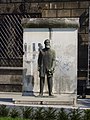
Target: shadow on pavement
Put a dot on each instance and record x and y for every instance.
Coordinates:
(6, 100)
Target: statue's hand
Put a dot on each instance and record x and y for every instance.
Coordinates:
(51, 70)
(38, 68)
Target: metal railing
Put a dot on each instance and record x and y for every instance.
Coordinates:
(88, 79)
(11, 39)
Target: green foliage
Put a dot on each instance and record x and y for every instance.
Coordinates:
(75, 114)
(4, 111)
(62, 115)
(5, 118)
(14, 113)
(50, 114)
(27, 112)
(9, 118)
(87, 114)
(39, 114)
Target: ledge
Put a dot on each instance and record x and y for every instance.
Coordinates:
(11, 68)
(38, 1)
(50, 22)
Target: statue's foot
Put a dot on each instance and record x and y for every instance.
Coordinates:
(51, 95)
(40, 94)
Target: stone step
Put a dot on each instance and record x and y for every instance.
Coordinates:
(46, 100)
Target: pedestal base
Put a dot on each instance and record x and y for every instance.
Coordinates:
(63, 99)
(28, 93)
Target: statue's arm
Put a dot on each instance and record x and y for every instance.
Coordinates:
(39, 60)
(54, 60)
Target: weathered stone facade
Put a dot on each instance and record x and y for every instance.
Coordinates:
(52, 9)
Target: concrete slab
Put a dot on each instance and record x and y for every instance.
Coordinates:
(62, 99)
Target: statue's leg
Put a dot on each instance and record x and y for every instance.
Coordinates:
(42, 81)
(49, 81)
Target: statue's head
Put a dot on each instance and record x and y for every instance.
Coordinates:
(47, 43)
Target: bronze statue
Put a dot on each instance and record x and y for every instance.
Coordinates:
(46, 66)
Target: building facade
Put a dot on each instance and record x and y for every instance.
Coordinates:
(11, 54)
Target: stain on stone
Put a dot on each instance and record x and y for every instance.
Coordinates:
(14, 79)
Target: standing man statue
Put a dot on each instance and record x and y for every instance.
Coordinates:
(46, 66)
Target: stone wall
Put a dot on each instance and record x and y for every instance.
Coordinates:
(53, 8)
(10, 79)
